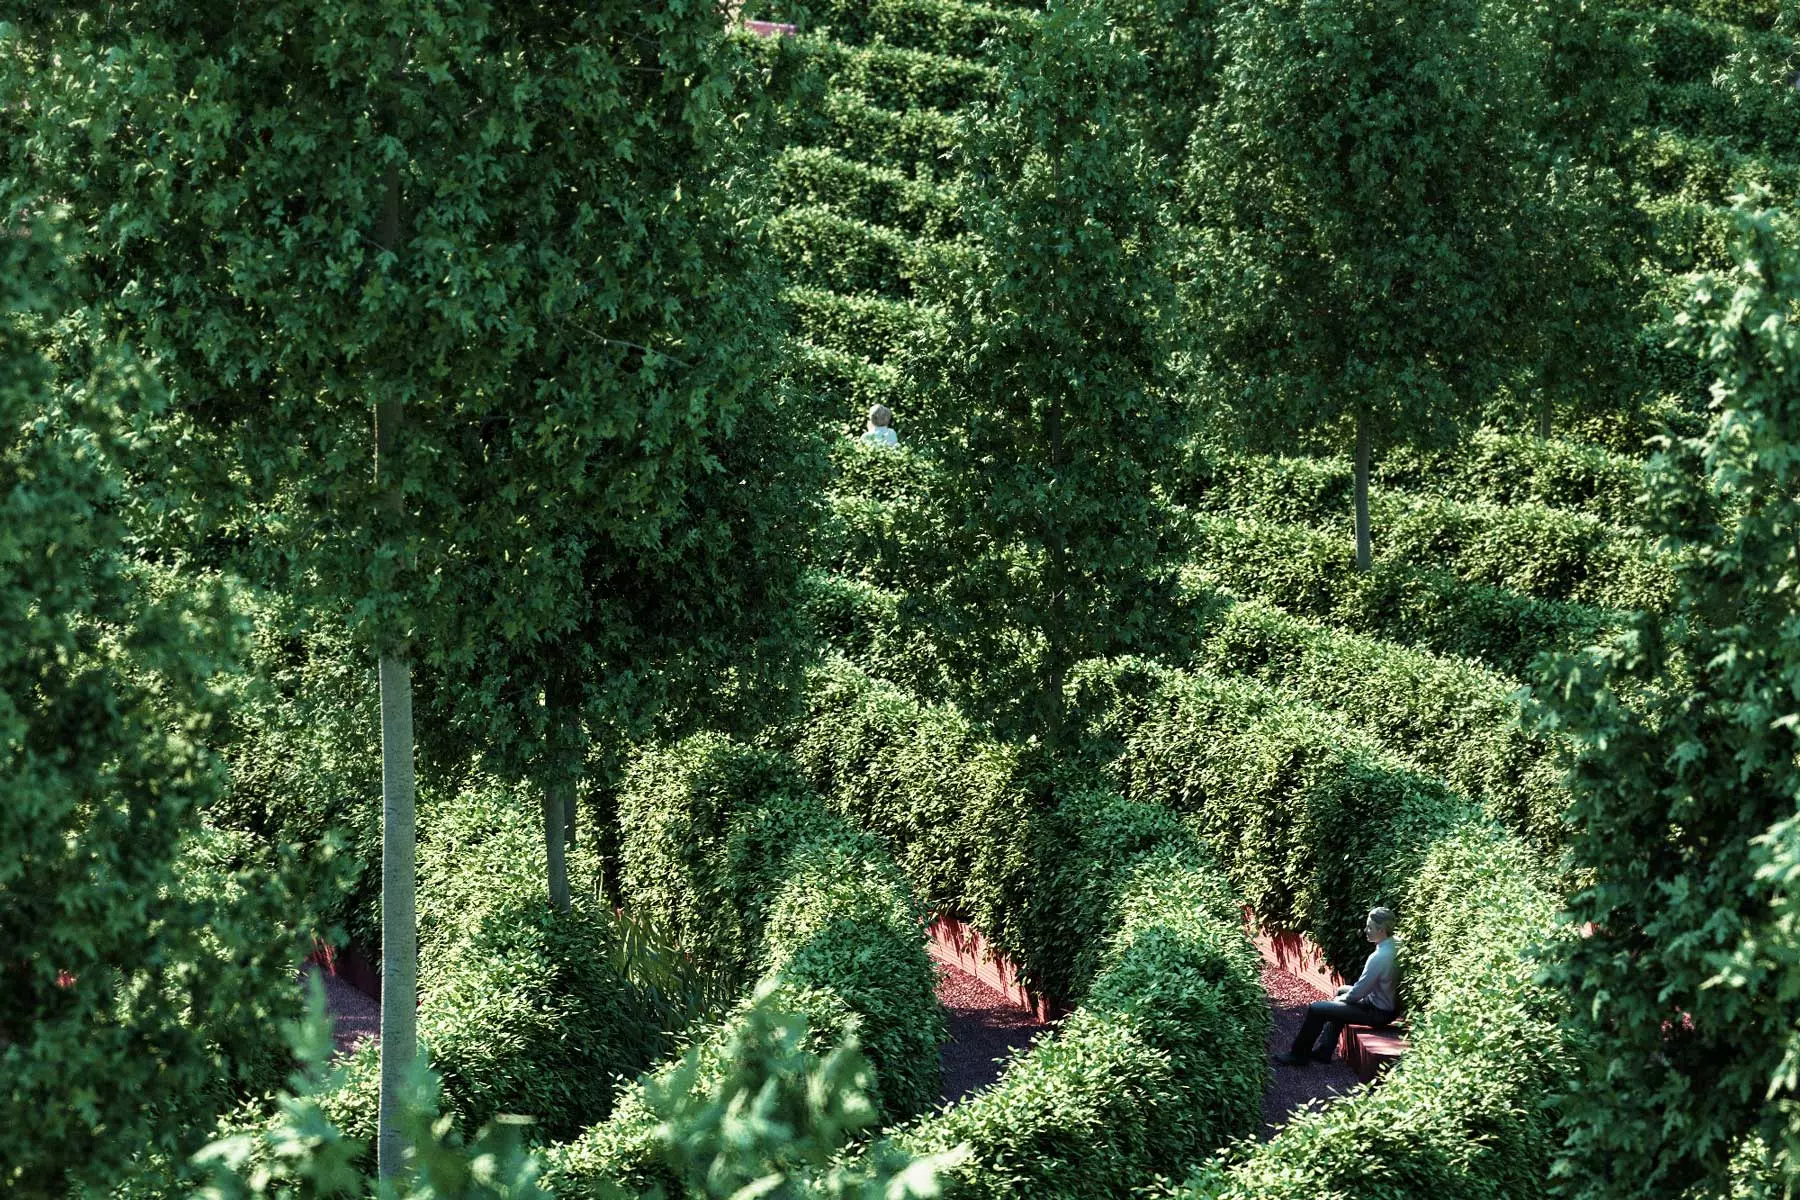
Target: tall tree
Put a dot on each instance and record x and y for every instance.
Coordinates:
(1056, 412)
(1684, 975)
(1356, 191)
(490, 226)
(138, 979)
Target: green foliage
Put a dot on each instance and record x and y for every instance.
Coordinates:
(953, 805)
(303, 1155)
(1684, 797)
(1504, 468)
(727, 847)
(955, 28)
(1460, 1117)
(524, 1009)
(1356, 189)
(1522, 545)
(1050, 402)
(825, 249)
(897, 78)
(753, 1112)
(1450, 716)
(878, 195)
(1314, 823)
(1306, 573)
(918, 142)
(144, 955)
(1163, 1061)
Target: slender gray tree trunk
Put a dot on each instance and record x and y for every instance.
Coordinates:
(571, 808)
(1363, 555)
(556, 801)
(399, 860)
(1544, 416)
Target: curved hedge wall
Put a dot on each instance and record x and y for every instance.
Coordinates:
(1312, 574)
(1163, 1062)
(726, 846)
(1315, 825)
(522, 1009)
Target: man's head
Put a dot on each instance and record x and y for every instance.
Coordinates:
(880, 416)
(1379, 925)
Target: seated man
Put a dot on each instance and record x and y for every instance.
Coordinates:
(1368, 1001)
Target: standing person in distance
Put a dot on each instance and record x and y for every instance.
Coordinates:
(880, 431)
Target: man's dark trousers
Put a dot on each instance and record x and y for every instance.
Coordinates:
(1325, 1019)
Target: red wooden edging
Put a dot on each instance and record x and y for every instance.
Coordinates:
(350, 965)
(771, 28)
(955, 944)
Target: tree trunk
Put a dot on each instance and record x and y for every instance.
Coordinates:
(399, 927)
(555, 841)
(570, 809)
(399, 860)
(1544, 416)
(1363, 552)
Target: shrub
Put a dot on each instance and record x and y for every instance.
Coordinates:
(1306, 572)
(726, 845)
(1450, 716)
(867, 625)
(1163, 1061)
(844, 254)
(1525, 546)
(1314, 823)
(1461, 1115)
(1510, 468)
(877, 195)
(949, 27)
(897, 78)
(954, 806)
(524, 1008)
(919, 142)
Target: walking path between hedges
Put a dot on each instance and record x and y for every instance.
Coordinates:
(1292, 1087)
(984, 1027)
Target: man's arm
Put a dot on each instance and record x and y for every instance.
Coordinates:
(1365, 983)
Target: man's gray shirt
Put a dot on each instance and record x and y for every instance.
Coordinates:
(1376, 985)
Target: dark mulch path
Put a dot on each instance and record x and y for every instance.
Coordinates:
(1292, 1087)
(984, 1026)
(355, 1018)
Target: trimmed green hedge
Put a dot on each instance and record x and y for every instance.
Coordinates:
(1512, 468)
(823, 249)
(920, 142)
(818, 175)
(522, 1008)
(841, 387)
(1313, 574)
(898, 78)
(1164, 1060)
(726, 844)
(727, 847)
(1461, 1117)
(1448, 715)
(1315, 825)
(949, 27)
(869, 626)
(870, 327)
(624, 1150)
(1315, 822)
(1524, 546)
(954, 807)
(880, 525)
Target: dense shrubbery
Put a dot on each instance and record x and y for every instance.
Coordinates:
(1519, 544)
(524, 1009)
(920, 142)
(1512, 468)
(949, 27)
(1452, 717)
(954, 806)
(1315, 826)
(727, 848)
(1306, 572)
(1164, 1059)
(1461, 1117)
(897, 78)
(878, 195)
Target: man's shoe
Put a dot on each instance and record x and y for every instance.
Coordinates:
(1293, 1060)
(1321, 1056)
